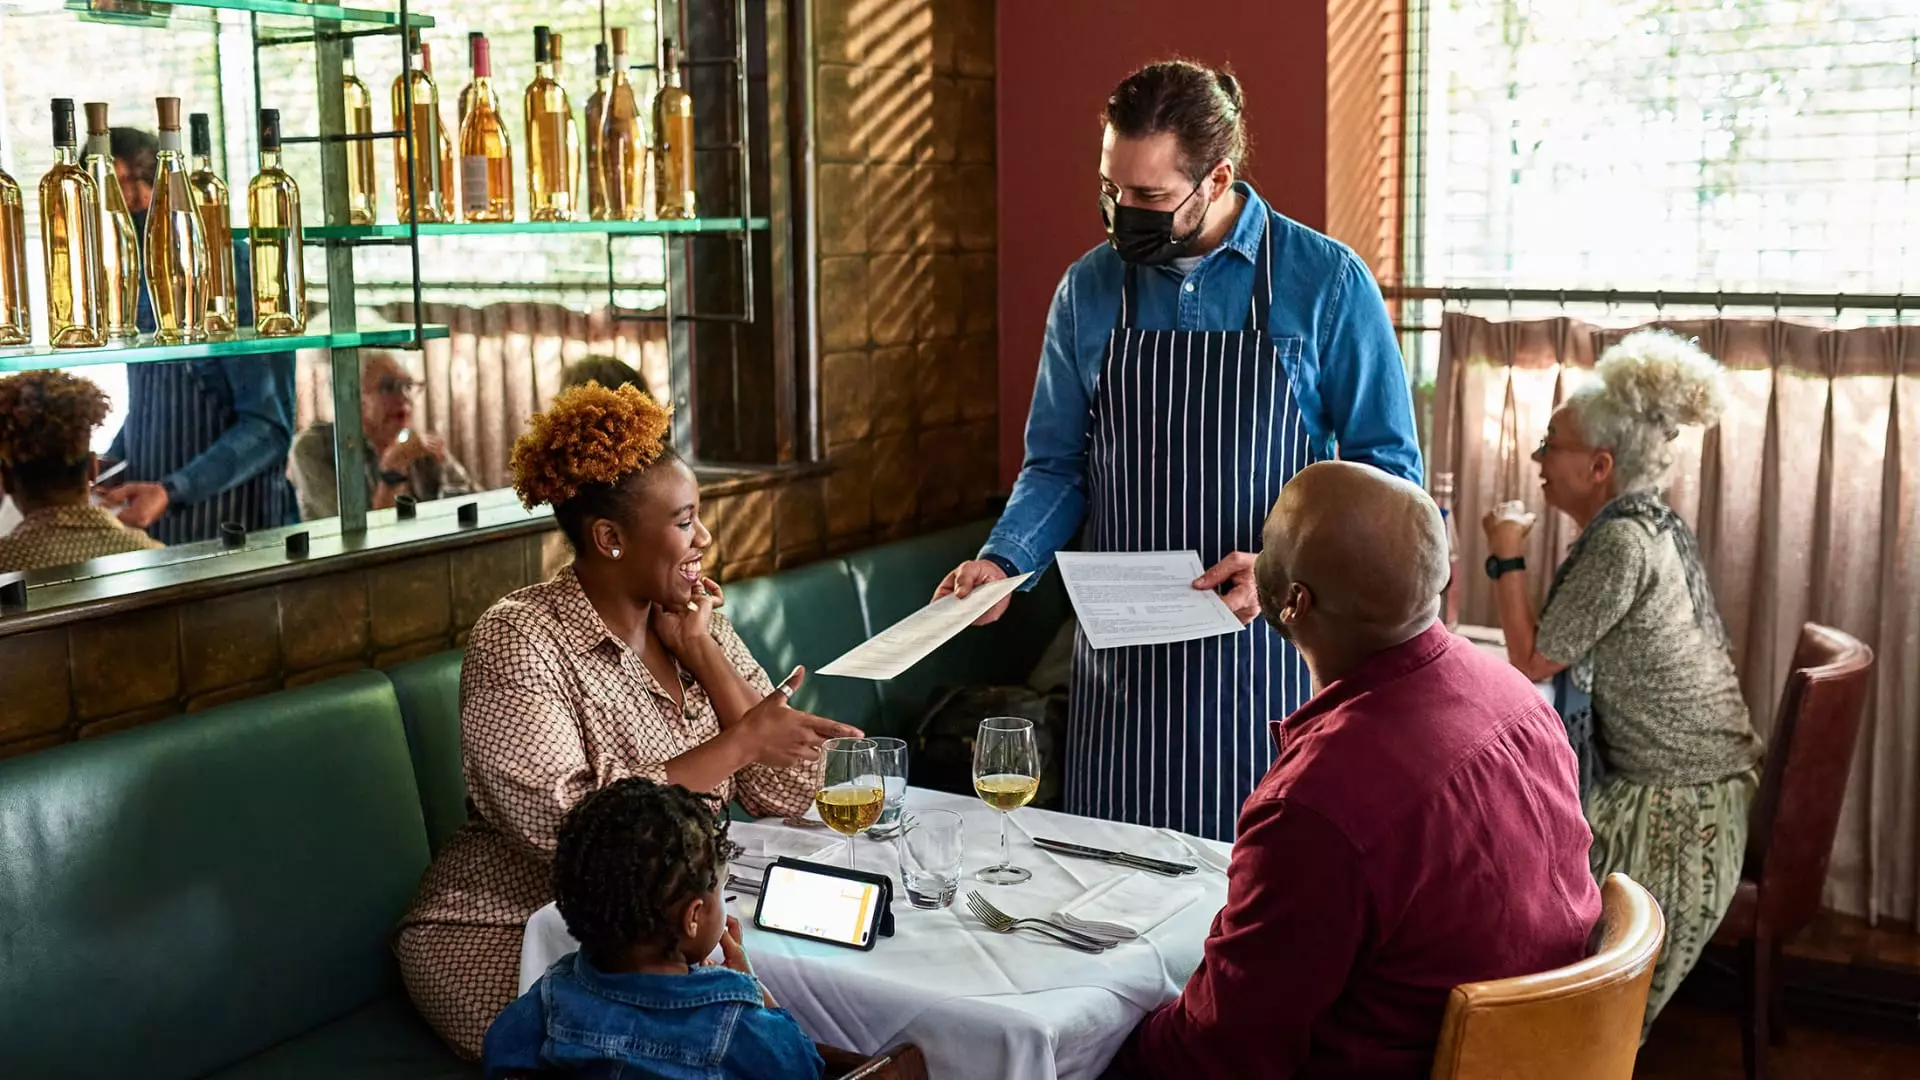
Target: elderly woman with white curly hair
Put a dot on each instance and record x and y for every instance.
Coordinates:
(1631, 635)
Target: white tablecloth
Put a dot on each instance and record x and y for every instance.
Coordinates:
(979, 1004)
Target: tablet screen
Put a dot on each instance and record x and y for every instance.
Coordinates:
(819, 906)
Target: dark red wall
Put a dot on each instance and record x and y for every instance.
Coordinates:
(1056, 62)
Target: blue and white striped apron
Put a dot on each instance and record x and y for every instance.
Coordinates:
(1194, 432)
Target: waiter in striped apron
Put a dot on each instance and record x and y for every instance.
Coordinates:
(1192, 364)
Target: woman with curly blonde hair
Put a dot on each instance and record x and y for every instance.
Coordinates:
(619, 666)
(47, 466)
(1634, 642)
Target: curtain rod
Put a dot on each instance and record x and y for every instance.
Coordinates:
(1659, 297)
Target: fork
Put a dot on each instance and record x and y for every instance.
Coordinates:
(1002, 923)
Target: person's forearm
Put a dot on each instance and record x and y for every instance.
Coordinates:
(243, 451)
(1520, 625)
(732, 695)
(707, 766)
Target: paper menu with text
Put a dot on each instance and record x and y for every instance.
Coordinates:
(1142, 598)
(910, 640)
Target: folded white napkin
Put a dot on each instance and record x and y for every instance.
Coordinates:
(1127, 907)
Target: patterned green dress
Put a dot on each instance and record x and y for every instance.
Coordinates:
(1671, 727)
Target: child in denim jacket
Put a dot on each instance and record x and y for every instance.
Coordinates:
(637, 876)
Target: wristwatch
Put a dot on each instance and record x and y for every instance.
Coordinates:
(1005, 564)
(1497, 566)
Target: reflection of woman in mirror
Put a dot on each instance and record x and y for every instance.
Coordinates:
(400, 458)
(618, 667)
(47, 466)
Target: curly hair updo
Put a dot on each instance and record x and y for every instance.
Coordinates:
(576, 456)
(46, 428)
(628, 855)
(1651, 384)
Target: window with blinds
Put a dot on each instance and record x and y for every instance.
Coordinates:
(1744, 145)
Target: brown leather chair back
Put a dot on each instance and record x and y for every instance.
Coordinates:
(1809, 756)
(1581, 1022)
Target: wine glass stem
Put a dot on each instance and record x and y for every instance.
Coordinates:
(1006, 857)
(850, 851)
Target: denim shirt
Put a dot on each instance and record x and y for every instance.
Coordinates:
(1347, 375)
(708, 1024)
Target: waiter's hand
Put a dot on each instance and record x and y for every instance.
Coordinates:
(1236, 568)
(969, 576)
(140, 504)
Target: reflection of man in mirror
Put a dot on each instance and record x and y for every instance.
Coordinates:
(401, 459)
(205, 441)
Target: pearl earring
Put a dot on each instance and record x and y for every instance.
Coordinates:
(615, 553)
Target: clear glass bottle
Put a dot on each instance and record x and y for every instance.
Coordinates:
(624, 160)
(486, 154)
(432, 148)
(1450, 598)
(596, 117)
(16, 323)
(449, 174)
(216, 222)
(176, 254)
(548, 116)
(273, 232)
(573, 131)
(119, 243)
(70, 232)
(358, 101)
(673, 141)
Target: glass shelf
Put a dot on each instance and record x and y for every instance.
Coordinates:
(245, 343)
(396, 231)
(141, 10)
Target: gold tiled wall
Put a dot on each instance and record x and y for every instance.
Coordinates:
(904, 118)
(121, 671)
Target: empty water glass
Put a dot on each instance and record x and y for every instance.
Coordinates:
(891, 756)
(930, 845)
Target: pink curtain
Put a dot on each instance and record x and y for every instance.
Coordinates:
(499, 365)
(1806, 498)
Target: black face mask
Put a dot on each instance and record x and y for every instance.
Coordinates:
(1145, 237)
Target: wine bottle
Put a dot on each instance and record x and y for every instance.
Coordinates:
(449, 175)
(596, 116)
(216, 222)
(466, 92)
(623, 146)
(573, 132)
(273, 227)
(70, 232)
(177, 262)
(358, 103)
(486, 155)
(429, 143)
(548, 117)
(673, 141)
(119, 244)
(16, 324)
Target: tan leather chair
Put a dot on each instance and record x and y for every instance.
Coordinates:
(1581, 1022)
(903, 1062)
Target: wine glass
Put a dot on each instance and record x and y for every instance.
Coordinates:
(851, 792)
(1006, 775)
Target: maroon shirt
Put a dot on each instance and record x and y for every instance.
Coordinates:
(1421, 828)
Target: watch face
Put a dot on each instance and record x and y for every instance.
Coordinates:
(1493, 567)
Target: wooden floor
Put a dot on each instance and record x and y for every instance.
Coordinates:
(1697, 1042)
(1839, 964)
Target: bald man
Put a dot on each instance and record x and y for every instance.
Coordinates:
(1420, 827)
(401, 460)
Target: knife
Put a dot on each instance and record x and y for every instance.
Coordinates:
(1123, 858)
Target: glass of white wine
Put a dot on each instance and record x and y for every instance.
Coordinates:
(1006, 775)
(851, 792)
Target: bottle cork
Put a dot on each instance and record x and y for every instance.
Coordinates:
(169, 109)
(97, 118)
(542, 44)
(200, 134)
(619, 41)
